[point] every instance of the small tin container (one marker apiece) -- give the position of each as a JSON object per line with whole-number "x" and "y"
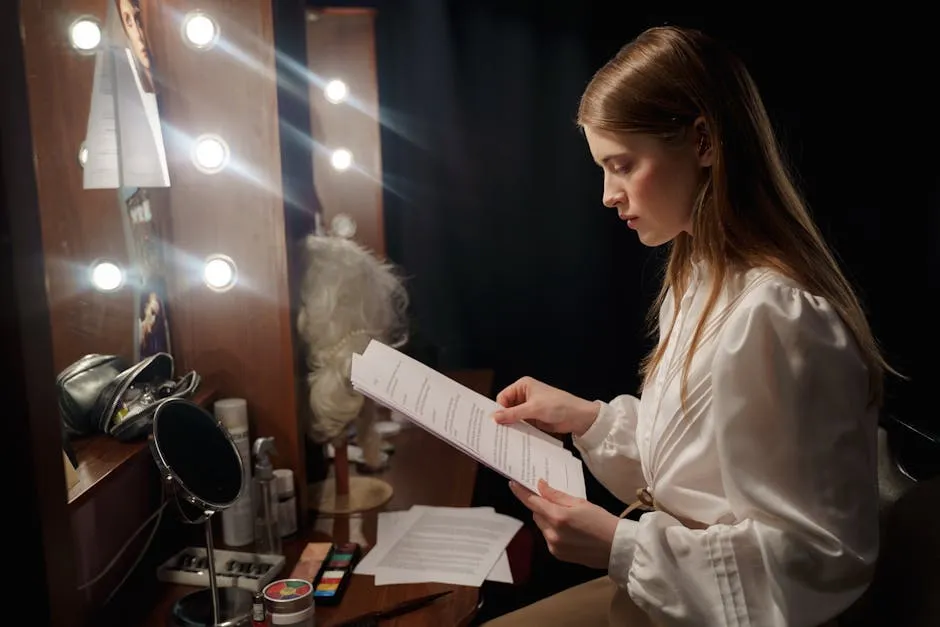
{"x": 289, "y": 602}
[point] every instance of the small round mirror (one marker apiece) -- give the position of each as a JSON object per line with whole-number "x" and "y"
{"x": 195, "y": 451}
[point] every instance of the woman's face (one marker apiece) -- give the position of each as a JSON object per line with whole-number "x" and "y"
{"x": 130, "y": 20}
{"x": 651, "y": 184}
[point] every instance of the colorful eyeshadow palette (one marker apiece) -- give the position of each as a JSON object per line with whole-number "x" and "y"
{"x": 310, "y": 560}
{"x": 335, "y": 573}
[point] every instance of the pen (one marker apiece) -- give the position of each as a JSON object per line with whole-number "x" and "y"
{"x": 370, "y": 619}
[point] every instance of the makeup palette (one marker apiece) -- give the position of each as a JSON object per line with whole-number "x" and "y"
{"x": 335, "y": 572}
{"x": 310, "y": 561}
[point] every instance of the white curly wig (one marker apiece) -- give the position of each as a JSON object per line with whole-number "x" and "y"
{"x": 348, "y": 296}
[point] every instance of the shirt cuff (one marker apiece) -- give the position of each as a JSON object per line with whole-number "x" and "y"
{"x": 597, "y": 432}
{"x": 621, "y": 552}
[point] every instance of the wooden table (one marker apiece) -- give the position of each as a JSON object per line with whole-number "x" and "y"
{"x": 423, "y": 470}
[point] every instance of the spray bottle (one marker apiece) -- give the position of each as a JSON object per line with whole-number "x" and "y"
{"x": 264, "y": 499}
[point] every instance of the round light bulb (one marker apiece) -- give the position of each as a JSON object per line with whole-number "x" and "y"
{"x": 210, "y": 153}
{"x": 341, "y": 159}
{"x": 200, "y": 30}
{"x": 106, "y": 276}
{"x": 336, "y": 91}
{"x": 219, "y": 272}
{"x": 85, "y": 34}
{"x": 343, "y": 225}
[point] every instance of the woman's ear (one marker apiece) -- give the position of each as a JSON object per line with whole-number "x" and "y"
{"x": 703, "y": 142}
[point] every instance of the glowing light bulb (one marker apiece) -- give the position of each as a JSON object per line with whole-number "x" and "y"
{"x": 343, "y": 225}
{"x": 341, "y": 159}
{"x": 107, "y": 276}
{"x": 219, "y": 273}
{"x": 200, "y": 30}
{"x": 336, "y": 91}
{"x": 85, "y": 34}
{"x": 210, "y": 154}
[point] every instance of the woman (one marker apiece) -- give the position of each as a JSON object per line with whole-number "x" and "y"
{"x": 753, "y": 441}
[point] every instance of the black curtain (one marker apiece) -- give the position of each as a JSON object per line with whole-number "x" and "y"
{"x": 492, "y": 201}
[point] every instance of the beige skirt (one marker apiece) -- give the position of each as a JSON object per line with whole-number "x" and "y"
{"x": 596, "y": 603}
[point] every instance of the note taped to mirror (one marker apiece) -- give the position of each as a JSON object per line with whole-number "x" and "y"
{"x": 124, "y": 137}
{"x": 463, "y": 418}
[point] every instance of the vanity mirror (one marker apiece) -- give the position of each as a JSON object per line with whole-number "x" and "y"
{"x": 197, "y": 457}
{"x": 197, "y": 269}
{"x": 203, "y": 270}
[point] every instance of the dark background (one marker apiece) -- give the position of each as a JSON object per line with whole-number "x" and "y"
{"x": 493, "y": 205}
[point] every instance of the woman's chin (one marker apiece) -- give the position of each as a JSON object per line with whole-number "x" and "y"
{"x": 653, "y": 238}
{"x": 648, "y": 238}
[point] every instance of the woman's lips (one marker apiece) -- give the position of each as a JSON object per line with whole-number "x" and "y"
{"x": 629, "y": 219}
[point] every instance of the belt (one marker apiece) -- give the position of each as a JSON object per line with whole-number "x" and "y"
{"x": 646, "y": 502}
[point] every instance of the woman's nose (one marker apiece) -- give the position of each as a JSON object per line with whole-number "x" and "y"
{"x": 613, "y": 198}
{"x": 613, "y": 194}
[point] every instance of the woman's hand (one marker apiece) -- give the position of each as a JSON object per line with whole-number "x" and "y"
{"x": 575, "y": 530}
{"x": 550, "y": 409}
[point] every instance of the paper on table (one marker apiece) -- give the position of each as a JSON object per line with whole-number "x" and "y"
{"x": 462, "y": 417}
{"x": 390, "y": 522}
{"x": 455, "y": 545}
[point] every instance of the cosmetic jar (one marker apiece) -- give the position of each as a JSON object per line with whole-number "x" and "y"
{"x": 289, "y": 602}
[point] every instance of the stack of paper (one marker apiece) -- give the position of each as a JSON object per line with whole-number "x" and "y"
{"x": 455, "y": 545}
{"x": 463, "y": 418}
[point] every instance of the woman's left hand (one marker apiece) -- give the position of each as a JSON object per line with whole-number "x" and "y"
{"x": 575, "y": 530}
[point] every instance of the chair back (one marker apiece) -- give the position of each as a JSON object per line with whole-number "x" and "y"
{"x": 905, "y": 591}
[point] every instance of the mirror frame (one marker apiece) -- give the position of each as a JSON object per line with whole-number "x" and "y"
{"x": 172, "y": 477}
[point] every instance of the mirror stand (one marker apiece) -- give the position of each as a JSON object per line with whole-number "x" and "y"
{"x": 196, "y": 455}
{"x": 213, "y": 606}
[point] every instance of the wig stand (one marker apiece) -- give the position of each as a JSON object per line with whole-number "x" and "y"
{"x": 343, "y": 494}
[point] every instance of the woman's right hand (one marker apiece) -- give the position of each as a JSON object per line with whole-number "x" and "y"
{"x": 548, "y": 408}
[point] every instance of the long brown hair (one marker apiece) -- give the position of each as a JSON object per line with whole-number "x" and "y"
{"x": 748, "y": 212}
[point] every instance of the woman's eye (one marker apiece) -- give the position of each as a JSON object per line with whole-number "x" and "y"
{"x": 621, "y": 169}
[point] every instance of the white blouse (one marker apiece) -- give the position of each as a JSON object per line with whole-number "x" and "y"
{"x": 775, "y": 454}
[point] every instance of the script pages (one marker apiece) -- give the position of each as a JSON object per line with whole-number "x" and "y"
{"x": 459, "y": 545}
{"x": 463, "y": 418}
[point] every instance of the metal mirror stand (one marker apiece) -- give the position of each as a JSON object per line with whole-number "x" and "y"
{"x": 197, "y": 457}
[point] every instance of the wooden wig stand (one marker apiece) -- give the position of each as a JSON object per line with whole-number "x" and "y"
{"x": 342, "y": 494}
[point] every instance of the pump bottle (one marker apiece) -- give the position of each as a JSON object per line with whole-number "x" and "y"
{"x": 264, "y": 499}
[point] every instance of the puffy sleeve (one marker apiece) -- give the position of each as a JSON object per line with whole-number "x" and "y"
{"x": 796, "y": 447}
{"x": 609, "y": 448}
